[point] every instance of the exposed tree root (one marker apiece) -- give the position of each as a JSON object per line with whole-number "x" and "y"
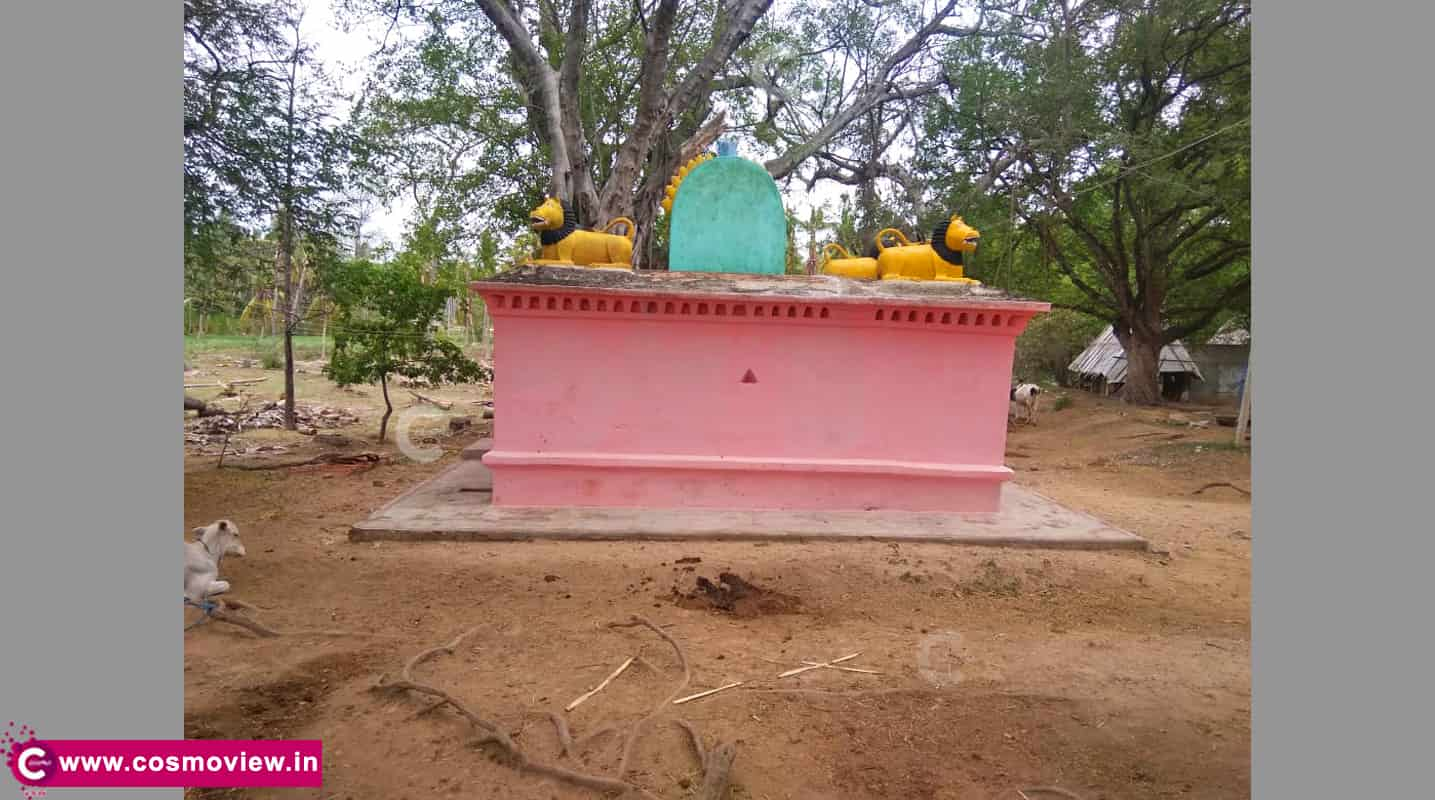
{"x": 491, "y": 733}
{"x": 565, "y": 738}
{"x": 221, "y": 615}
{"x": 716, "y": 763}
{"x": 632, "y": 741}
{"x": 597, "y": 733}
{"x": 228, "y": 612}
{"x": 1222, "y": 483}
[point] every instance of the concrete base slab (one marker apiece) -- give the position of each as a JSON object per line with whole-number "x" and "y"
{"x": 455, "y": 505}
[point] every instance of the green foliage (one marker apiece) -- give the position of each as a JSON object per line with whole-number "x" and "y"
{"x": 224, "y": 264}
{"x": 1063, "y": 402}
{"x": 223, "y": 86}
{"x": 305, "y": 347}
{"x": 1050, "y": 342}
{"x": 1114, "y": 149}
{"x": 386, "y": 325}
{"x": 273, "y": 358}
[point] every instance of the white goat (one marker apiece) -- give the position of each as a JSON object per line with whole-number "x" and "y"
{"x": 201, "y": 560}
{"x": 1023, "y": 401}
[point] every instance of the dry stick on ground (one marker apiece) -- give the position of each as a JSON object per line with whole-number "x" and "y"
{"x": 492, "y": 733}
{"x": 819, "y": 665}
{"x": 843, "y": 669}
{"x": 601, "y": 686}
{"x": 1219, "y": 484}
{"x": 1057, "y": 790}
{"x": 701, "y": 695}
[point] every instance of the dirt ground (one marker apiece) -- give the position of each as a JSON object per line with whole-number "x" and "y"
{"x": 1107, "y": 674}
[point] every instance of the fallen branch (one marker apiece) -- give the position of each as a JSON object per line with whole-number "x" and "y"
{"x": 1219, "y": 484}
{"x": 202, "y": 408}
{"x": 325, "y": 458}
{"x": 225, "y": 385}
{"x": 1144, "y": 435}
{"x": 446, "y": 406}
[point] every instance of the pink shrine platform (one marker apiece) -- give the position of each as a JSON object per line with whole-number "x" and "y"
{"x": 662, "y": 390}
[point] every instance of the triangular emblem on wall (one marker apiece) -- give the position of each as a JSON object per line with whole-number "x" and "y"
{"x": 748, "y": 377}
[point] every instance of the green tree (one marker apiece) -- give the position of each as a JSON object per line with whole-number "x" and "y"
{"x": 301, "y": 158}
{"x": 228, "y": 57}
{"x": 385, "y": 325}
{"x": 1117, "y": 133}
{"x": 222, "y": 262}
{"x": 262, "y": 143}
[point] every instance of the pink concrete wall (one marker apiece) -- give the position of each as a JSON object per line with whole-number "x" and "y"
{"x": 852, "y": 405}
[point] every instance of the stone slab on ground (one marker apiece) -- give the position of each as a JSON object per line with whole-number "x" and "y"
{"x": 477, "y": 449}
{"x": 456, "y": 505}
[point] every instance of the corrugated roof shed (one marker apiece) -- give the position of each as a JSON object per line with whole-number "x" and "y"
{"x": 1231, "y": 333}
{"x": 1105, "y": 358}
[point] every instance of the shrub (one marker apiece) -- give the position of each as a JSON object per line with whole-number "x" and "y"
{"x": 1051, "y": 342}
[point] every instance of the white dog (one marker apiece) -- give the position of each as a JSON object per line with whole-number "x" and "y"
{"x": 1023, "y": 402}
{"x": 201, "y": 560}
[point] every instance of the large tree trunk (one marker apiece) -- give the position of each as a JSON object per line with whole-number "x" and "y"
{"x": 1143, "y": 365}
{"x": 553, "y": 93}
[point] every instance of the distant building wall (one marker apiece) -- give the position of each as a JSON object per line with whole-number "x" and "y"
{"x": 1224, "y": 367}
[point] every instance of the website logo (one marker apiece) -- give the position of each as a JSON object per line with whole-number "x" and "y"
{"x": 31, "y": 761}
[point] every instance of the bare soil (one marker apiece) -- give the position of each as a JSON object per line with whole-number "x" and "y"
{"x": 1108, "y": 674}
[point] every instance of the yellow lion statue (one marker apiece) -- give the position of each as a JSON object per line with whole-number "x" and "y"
{"x": 938, "y": 260}
{"x": 563, "y": 243}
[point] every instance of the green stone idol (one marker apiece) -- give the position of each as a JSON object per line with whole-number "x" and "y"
{"x": 728, "y": 217}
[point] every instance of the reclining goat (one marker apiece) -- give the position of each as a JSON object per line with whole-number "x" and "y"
{"x": 202, "y": 555}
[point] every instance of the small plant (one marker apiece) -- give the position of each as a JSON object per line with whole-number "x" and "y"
{"x": 1063, "y": 402}
{"x": 273, "y": 358}
{"x": 385, "y": 326}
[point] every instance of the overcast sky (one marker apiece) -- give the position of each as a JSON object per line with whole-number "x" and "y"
{"x": 346, "y": 54}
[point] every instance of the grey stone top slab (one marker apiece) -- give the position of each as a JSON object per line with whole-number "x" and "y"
{"x": 827, "y": 288}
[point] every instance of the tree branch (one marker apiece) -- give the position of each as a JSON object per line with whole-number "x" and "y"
{"x": 1222, "y": 304}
